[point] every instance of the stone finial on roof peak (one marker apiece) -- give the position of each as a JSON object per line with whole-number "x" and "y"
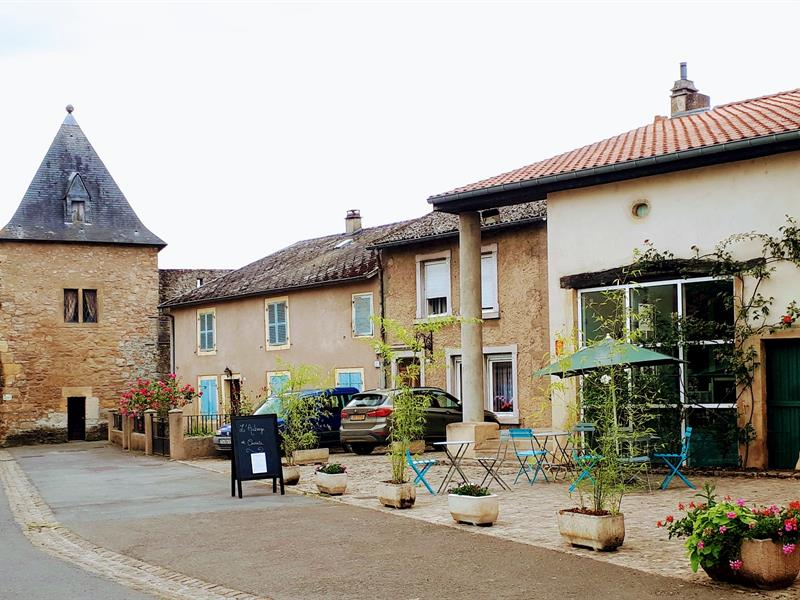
{"x": 69, "y": 119}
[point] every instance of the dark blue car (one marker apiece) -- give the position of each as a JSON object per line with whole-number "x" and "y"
{"x": 327, "y": 426}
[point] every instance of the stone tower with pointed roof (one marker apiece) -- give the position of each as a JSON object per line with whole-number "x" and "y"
{"x": 78, "y": 297}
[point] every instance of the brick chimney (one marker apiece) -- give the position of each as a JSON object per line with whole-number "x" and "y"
{"x": 352, "y": 222}
{"x": 685, "y": 99}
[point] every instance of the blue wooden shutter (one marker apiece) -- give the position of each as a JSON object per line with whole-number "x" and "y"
{"x": 362, "y": 314}
{"x": 278, "y": 323}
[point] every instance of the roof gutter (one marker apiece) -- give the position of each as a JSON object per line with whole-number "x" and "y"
{"x": 538, "y": 189}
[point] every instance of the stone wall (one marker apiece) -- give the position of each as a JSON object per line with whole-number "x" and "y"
{"x": 523, "y": 320}
{"x": 44, "y": 361}
{"x": 171, "y": 284}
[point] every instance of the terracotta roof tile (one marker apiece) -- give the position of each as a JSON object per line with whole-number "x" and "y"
{"x": 745, "y": 119}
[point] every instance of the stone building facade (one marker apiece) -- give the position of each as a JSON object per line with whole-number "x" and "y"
{"x": 79, "y": 292}
{"x": 515, "y": 318}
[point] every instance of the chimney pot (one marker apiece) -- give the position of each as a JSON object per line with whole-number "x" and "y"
{"x": 352, "y": 222}
{"x": 685, "y": 98}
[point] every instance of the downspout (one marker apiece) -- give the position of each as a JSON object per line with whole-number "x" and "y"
{"x": 381, "y": 294}
{"x": 172, "y": 356}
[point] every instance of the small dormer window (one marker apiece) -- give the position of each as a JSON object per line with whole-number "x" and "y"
{"x": 76, "y": 199}
{"x": 78, "y": 211}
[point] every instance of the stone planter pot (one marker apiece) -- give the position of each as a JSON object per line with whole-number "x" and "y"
{"x": 313, "y": 456}
{"x": 765, "y": 566}
{"x": 397, "y": 495}
{"x": 331, "y": 484}
{"x": 291, "y": 475}
{"x": 605, "y": 532}
{"x": 477, "y": 510}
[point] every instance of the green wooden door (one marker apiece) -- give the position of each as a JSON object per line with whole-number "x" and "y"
{"x": 783, "y": 403}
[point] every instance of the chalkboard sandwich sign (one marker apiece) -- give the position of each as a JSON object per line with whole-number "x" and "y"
{"x": 256, "y": 451}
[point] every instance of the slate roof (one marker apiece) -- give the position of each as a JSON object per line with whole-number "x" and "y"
{"x": 43, "y": 213}
{"x": 437, "y": 224}
{"x": 737, "y": 121}
{"x": 305, "y": 264}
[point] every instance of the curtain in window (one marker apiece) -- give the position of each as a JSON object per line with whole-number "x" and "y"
{"x": 70, "y": 306}
{"x": 90, "y": 306}
{"x": 502, "y": 386}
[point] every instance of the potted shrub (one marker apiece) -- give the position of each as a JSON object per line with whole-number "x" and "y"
{"x": 407, "y": 423}
{"x": 597, "y": 521}
{"x": 754, "y": 546}
{"x": 331, "y": 479}
{"x": 473, "y": 504}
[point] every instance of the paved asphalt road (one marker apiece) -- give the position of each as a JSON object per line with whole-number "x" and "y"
{"x": 28, "y": 574}
{"x": 294, "y": 547}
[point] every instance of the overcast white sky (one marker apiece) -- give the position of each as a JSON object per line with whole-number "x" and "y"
{"x": 237, "y": 129}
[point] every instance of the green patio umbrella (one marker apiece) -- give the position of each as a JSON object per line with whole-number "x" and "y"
{"x": 607, "y": 353}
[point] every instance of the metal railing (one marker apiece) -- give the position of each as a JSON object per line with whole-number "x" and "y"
{"x": 117, "y": 425}
{"x": 199, "y": 425}
{"x": 138, "y": 424}
{"x": 160, "y": 435}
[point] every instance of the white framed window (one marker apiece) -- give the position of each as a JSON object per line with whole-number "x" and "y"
{"x": 206, "y": 331}
{"x": 350, "y": 378}
{"x": 277, "y": 319}
{"x": 433, "y": 285}
{"x": 490, "y": 306}
{"x": 209, "y": 395}
{"x": 277, "y": 382}
{"x": 362, "y": 315}
{"x": 499, "y": 377}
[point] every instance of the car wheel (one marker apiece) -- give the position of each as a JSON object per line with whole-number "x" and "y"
{"x": 362, "y": 449}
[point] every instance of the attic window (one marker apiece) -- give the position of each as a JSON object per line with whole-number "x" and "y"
{"x": 344, "y": 243}
{"x": 77, "y": 196}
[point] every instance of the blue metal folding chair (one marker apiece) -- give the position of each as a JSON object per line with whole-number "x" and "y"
{"x": 425, "y": 464}
{"x": 524, "y": 456}
{"x": 675, "y": 462}
{"x": 585, "y": 459}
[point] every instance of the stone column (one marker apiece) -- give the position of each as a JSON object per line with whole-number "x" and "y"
{"x": 149, "y": 414}
{"x": 176, "y": 449}
{"x": 472, "y": 388}
{"x": 110, "y": 416}
{"x": 127, "y": 428}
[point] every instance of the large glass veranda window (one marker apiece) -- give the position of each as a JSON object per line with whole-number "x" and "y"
{"x": 690, "y": 319}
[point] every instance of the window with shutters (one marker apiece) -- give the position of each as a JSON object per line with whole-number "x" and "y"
{"x": 206, "y": 331}
{"x": 362, "y": 315}
{"x": 433, "y": 285}
{"x": 350, "y": 378}
{"x": 277, "y": 323}
{"x": 277, "y": 382}
{"x": 489, "y": 297}
{"x": 500, "y": 380}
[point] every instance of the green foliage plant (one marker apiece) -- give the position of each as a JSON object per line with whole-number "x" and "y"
{"x": 470, "y": 489}
{"x": 300, "y": 412}
{"x": 407, "y": 422}
{"x": 332, "y": 469}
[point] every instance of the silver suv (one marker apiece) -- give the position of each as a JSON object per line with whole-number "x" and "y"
{"x": 365, "y": 419}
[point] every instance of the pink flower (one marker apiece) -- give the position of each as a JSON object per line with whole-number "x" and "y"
{"x": 681, "y": 506}
{"x": 731, "y": 515}
{"x": 790, "y": 524}
{"x": 740, "y": 502}
{"x": 735, "y": 564}
{"x": 701, "y": 544}
{"x": 788, "y": 548}
{"x": 723, "y": 529}
{"x": 752, "y": 525}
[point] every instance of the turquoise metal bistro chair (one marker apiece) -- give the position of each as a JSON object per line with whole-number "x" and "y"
{"x": 525, "y": 455}
{"x": 675, "y": 462}
{"x": 415, "y": 465}
{"x": 585, "y": 458}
